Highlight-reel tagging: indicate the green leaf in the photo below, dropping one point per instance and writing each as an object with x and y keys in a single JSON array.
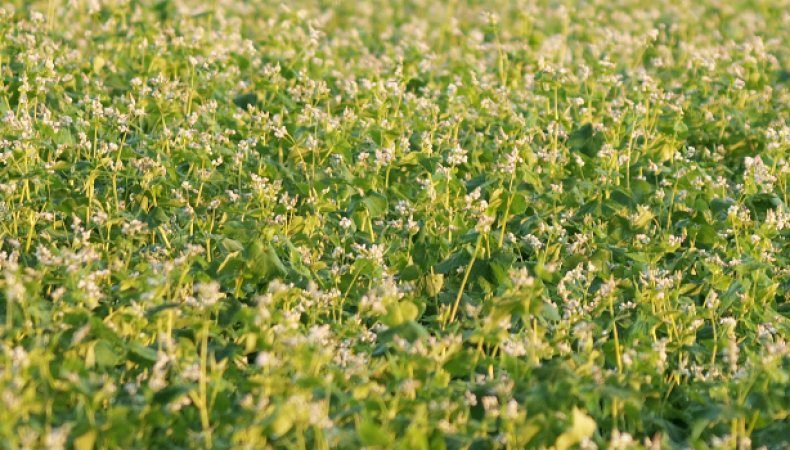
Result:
[
  {"x": 244, "y": 101},
  {"x": 410, "y": 273},
  {"x": 231, "y": 245},
  {"x": 433, "y": 284},
  {"x": 98, "y": 63},
  {"x": 281, "y": 422},
  {"x": 453, "y": 262},
  {"x": 518, "y": 204},
  {"x": 141, "y": 352},
  {"x": 375, "y": 204},
  {"x": 642, "y": 220},
  {"x": 373, "y": 434},
  {"x": 400, "y": 312},
  {"x": 703, "y": 234},
  {"x": 583, "y": 426},
  {"x": 85, "y": 441},
  {"x": 680, "y": 128},
  {"x": 105, "y": 354},
  {"x": 263, "y": 262},
  {"x": 586, "y": 140},
  {"x": 549, "y": 311},
  {"x": 169, "y": 394}
]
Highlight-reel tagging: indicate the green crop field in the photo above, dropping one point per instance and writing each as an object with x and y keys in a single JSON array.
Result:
[{"x": 394, "y": 224}]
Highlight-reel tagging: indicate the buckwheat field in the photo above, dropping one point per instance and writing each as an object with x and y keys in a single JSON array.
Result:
[{"x": 419, "y": 224}]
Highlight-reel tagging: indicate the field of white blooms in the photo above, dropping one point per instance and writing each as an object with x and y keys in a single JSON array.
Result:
[{"x": 394, "y": 224}]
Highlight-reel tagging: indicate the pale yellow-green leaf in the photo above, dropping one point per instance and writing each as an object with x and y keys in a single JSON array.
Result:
[
  {"x": 98, "y": 63},
  {"x": 282, "y": 422},
  {"x": 434, "y": 283},
  {"x": 582, "y": 426},
  {"x": 85, "y": 441},
  {"x": 400, "y": 312}
]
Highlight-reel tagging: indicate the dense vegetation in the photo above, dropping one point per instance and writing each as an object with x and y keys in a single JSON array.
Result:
[{"x": 394, "y": 224}]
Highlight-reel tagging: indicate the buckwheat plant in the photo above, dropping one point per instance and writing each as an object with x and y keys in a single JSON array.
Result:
[{"x": 413, "y": 224}]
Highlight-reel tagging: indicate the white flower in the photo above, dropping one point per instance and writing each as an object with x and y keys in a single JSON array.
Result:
[
  {"x": 457, "y": 156},
  {"x": 206, "y": 294},
  {"x": 521, "y": 278},
  {"x": 621, "y": 440},
  {"x": 385, "y": 156},
  {"x": 712, "y": 300}
]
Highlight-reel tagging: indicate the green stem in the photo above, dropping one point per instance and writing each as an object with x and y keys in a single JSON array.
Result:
[{"x": 465, "y": 279}]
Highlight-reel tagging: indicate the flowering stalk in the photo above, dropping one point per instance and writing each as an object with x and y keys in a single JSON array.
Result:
[{"x": 454, "y": 310}]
